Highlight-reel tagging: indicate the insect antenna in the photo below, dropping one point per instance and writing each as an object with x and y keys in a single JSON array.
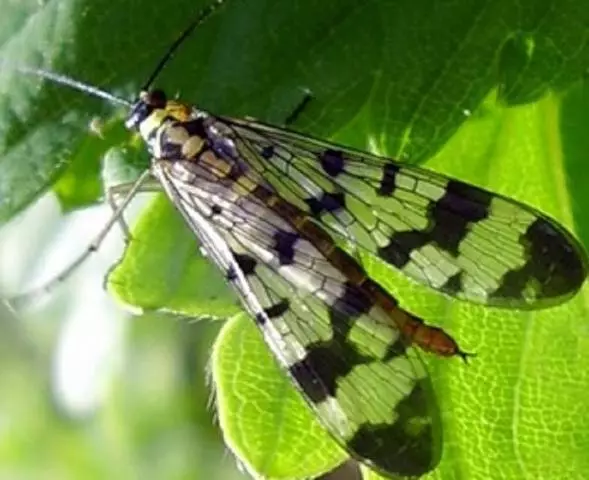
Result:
[
  {"x": 202, "y": 16},
  {"x": 75, "y": 84},
  {"x": 15, "y": 302},
  {"x": 131, "y": 190},
  {"x": 18, "y": 300}
]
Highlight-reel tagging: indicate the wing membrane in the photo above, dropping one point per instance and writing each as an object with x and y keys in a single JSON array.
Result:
[
  {"x": 342, "y": 351},
  {"x": 454, "y": 237}
]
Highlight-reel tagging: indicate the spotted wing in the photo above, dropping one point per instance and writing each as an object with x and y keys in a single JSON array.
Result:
[
  {"x": 452, "y": 236},
  {"x": 342, "y": 352}
]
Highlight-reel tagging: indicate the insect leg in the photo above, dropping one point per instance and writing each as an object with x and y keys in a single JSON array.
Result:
[
  {"x": 17, "y": 301},
  {"x": 123, "y": 190},
  {"x": 111, "y": 198}
]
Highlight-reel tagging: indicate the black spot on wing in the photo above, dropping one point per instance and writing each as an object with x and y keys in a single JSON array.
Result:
[
  {"x": 399, "y": 249},
  {"x": 231, "y": 274},
  {"x": 284, "y": 245},
  {"x": 246, "y": 263},
  {"x": 387, "y": 183},
  {"x": 409, "y": 446},
  {"x": 460, "y": 206},
  {"x": 278, "y": 309},
  {"x": 333, "y": 359},
  {"x": 308, "y": 380},
  {"x": 327, "y": 203},
  {"x": 449, "y": 221},
  {"x": 216, "y": 209},
  {"x": 332, "y": 162},
  {"x": 398, "y": 348},
  {"x": 467, "y": 201},
  {"x": 274, "y": 311},
  {"x": 454, "y": 284},
  {"x": 556, "y": 266},
  {"x": 351, "y": 303},
  {"x": 325, "y": 363},
  {"x": 267, "y": 152}
]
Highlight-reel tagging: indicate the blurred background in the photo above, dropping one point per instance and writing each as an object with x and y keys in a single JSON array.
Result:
[
  {"x": 493, "y": 94},
  {"x": 90, "y": 391}
]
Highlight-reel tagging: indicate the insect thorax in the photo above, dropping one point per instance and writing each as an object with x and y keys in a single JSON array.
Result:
[
  {"x": 172, "y": 131},
  {"x": 198, "y": 144}
]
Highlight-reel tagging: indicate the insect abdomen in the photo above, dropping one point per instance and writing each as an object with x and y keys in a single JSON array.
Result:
[{"x": 413, "y": 329}]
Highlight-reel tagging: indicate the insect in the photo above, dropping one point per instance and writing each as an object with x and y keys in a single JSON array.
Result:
[{"x": 272, "y": 209}]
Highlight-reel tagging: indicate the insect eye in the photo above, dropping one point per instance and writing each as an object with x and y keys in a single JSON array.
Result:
[{"x": 157, "y": 99}]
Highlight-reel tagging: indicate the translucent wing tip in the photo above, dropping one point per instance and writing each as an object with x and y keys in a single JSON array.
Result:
[{"x": 556, "y": 268}]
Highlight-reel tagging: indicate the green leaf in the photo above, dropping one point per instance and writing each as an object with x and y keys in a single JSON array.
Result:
[
  {"x": 506, "y": 395},
  {"x": 396, "y": 75},
  {"x": 491, "y": 92},
  {"x": 272, "y": 430},
  {"x": 80, "y": 184},
  {"x": 163, "y": 254},
  {"x": 501, "y": 416}
]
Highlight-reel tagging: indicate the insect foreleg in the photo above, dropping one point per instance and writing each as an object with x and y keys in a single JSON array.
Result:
[
  {"x": 123, "y": 190},
  {"x": 17, "y": 301}
]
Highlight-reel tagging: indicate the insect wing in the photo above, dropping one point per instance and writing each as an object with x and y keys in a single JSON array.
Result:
[
  {"x": 454, "y": 237},
  {"x": 368, "y": 389}
]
